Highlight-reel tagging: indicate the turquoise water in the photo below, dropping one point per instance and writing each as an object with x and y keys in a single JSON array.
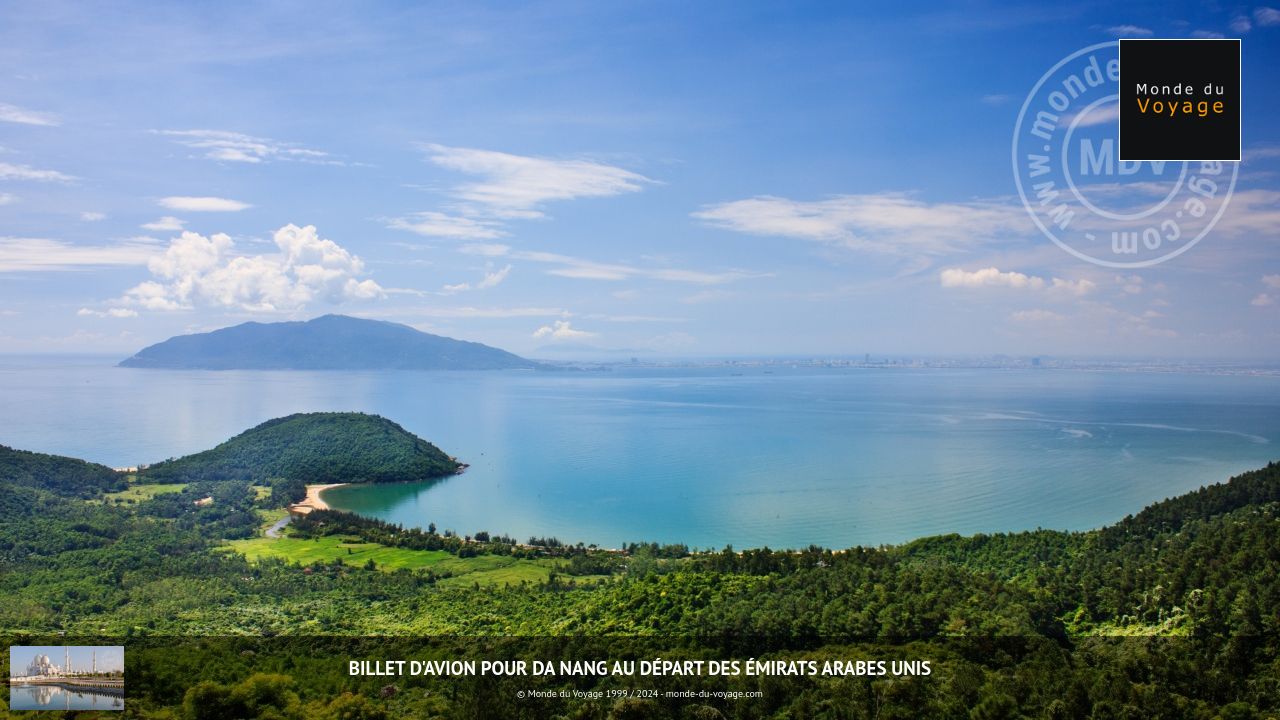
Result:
[{"x": 705, "y": 456}]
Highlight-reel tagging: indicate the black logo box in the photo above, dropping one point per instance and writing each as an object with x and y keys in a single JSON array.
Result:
[{"x": 1183, "y": 65}]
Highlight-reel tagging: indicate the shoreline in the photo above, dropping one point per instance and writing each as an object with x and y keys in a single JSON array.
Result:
[{"x": 313, "y": 501}]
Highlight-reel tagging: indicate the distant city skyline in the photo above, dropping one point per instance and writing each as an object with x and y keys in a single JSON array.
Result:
[{"x": 569, "y": 180}]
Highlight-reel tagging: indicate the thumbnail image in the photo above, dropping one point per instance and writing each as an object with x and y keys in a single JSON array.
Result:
[{"x": 68, "y": 677}]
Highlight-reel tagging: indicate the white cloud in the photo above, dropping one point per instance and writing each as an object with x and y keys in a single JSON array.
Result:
[
  {"x": 24, "y": 172},
  {"x": 1131, "y": 284},
  {"x": 115, "y": 312},
  {"x": 6, "y": 199},
  {"x": 1251, "y": 211},
  {"x": 1262, "y": 300},
  {"x": 198, "y": 270},
  {"x": 92, "y": 216},
  {"x": 1036, "y": 317},
  {"x": 1266, "y": 16},
  {"x": 1105, "y": 114},
  {"x": 880, "y": 222},
  {"x": 515, "y": 186},
  {"x": 1271, "y": 281},
  {"x": 561, "y": 330},
  {"x": 581, "y": 269},
  {"x": 1207, "y": 35},
  {"x": 1262, "y": 152},
  {"x": 995, "y": 99},
  {"x": 1072, "y": 287},
  {"x": 988, "y": 277},
  {"x": 437, "y": 224},
  {"x": 1240, "y": 24},
  {"x": 994, "y": 277},
  {"x": 42, "y": 255},
  {"x": 168, "y": 223},
  {"x": 15, "y": 114},
  {"x": 237, "y": 147},
  {"x": 485, "y": 249},
  {"x": 1130, "y": 31},
  {"x": 203, "y": 204},
  {"x": 491, "y": 278}
]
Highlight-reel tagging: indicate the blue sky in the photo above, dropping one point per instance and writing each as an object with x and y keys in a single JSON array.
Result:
[
  {"x": 560, "y": 179},
  {"x": 109, "y": 657}
]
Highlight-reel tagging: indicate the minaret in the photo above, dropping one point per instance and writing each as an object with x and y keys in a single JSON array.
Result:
[
  {"x": 66, "y": 661},
  {"x": 95, "y": 661}
]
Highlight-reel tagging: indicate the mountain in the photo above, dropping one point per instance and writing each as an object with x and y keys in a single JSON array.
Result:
[
  {"x": 330, "y": 342},
  {"x": 328, "y": 447}
]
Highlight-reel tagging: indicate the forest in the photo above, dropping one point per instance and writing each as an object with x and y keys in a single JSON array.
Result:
[{"x": 1170, "y": 613}]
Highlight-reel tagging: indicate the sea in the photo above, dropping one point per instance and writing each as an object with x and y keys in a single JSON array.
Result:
[{"x": 749, "y": 456}]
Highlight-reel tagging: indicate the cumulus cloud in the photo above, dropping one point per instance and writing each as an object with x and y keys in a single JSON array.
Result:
[
  {"x": 994, "y": 277},
  {"x": 23, "y": 172},
  {"x": 202, "y": 204},
  {"x": 199, "y": 270},
  {"x": 168, "y": 223},
  {"x": 237, "y": 147},
  {"x": 1240, "y": 24},
  {"x": 15, "y": 114},
  {"x": 561, "y": 330},
  {"x": 879, "y": 222},
  {"x": 92, "y": 216},
  {"x": 43, "y": 255},
  {"x": 1271, "y": 281},
  {"x": 1262, "y": 300}
]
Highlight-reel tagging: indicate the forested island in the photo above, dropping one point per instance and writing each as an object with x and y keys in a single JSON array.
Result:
[
  {"x": 286, "y": 454},
  {"x": 329, "y": 342},
  {"x": 1170, "y": 613}
]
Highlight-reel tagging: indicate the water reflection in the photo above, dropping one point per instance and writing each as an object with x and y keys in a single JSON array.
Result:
[{"x": 58, "y": 697}]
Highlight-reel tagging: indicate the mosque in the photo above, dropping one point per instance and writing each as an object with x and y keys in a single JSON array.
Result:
[{"x": 41, "y": 665}]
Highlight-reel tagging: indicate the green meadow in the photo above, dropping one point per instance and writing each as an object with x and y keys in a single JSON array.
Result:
[{"x": 487, "y": 570}]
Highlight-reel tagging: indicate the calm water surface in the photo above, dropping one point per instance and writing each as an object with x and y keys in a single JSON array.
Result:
[
  {"x": 704, "y": 456},
  {"x": 56, "y": 697}
]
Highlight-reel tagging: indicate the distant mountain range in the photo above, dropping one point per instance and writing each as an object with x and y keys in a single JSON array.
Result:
[{"x": 330, "y": 342}]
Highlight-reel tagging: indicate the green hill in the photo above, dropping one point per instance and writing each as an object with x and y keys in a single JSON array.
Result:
[
  {"x": 61, "y": 475},
  {"x": 328, "y": 447}
]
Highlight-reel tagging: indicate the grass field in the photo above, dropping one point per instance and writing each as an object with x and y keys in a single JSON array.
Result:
[
  {"x": 140, "y": 493},
  {"x": 484, "y": 569}
]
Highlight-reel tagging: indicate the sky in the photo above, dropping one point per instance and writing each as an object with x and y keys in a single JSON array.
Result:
[
  {"x": 574, "y": 179},
  {"x": 109, "y": 657}
]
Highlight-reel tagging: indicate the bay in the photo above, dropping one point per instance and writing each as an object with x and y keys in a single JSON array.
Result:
[{"x": 704, "y": 456}]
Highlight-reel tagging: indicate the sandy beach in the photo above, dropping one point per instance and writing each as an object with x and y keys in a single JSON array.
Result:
[{"x": 313, "y": 500}]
